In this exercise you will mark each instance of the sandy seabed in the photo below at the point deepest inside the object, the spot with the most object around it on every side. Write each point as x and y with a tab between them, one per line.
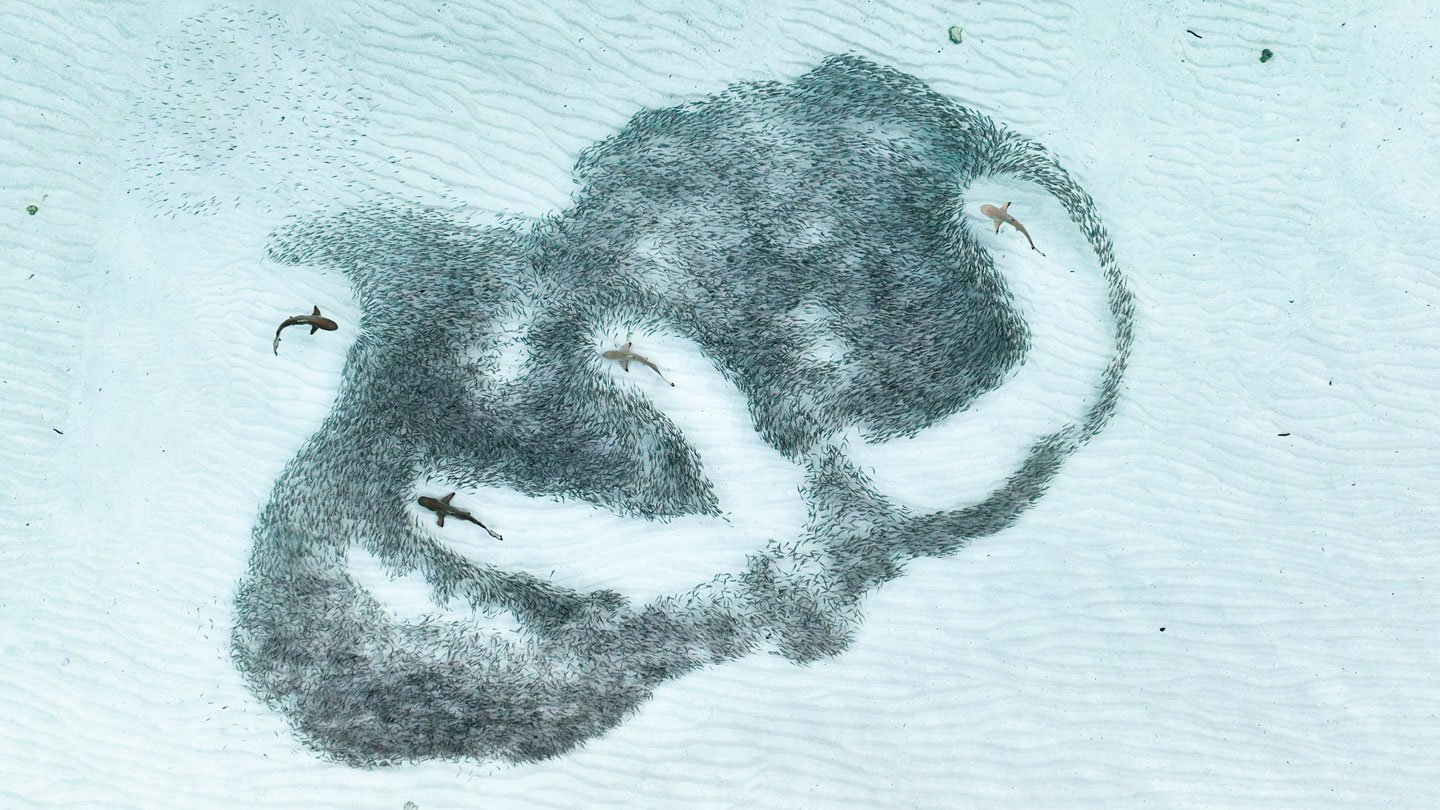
1225	598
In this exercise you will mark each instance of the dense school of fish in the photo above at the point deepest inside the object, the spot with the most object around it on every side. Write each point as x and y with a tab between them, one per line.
717	220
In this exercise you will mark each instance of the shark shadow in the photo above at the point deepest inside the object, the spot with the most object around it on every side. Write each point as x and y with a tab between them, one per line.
717	220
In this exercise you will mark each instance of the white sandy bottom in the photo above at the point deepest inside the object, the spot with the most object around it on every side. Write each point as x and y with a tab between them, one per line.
1292	574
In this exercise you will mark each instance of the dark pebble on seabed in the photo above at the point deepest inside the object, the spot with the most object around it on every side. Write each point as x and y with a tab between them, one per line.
1266	54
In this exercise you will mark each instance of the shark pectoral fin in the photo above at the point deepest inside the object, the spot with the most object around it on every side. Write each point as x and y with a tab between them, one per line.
625	364
441	521
998	223
314	329
447	498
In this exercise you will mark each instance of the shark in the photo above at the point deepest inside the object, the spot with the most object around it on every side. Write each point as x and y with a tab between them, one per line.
624	356
1002	216
443	508
314	320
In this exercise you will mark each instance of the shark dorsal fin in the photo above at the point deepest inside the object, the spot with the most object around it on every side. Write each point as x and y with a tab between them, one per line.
447	498
316	313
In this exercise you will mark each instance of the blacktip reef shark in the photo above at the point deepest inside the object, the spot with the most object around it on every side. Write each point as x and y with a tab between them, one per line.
314	320
1002	216
624	356
443	508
